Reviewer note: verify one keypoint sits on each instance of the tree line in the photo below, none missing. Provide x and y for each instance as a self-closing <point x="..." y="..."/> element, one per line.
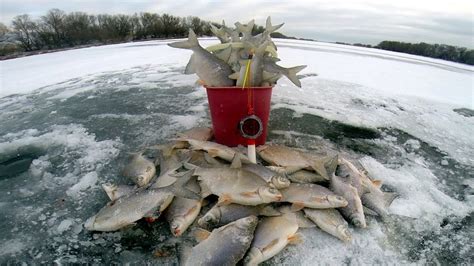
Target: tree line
<point x="440" y="51"/>
<point x="57" y="29"/>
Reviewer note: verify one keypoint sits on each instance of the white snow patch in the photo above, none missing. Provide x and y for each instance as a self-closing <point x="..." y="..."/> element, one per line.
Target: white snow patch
<point x="87" y="181"/>
<point x="432" y="122"/>
<point x="12" y="246"/>
<point x="420" y="194"/>
<point x="65" y="225"/>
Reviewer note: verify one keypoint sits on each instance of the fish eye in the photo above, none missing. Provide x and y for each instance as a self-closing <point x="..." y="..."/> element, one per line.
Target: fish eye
<point x="273" y="190"/>
<point x="174" y="225"/>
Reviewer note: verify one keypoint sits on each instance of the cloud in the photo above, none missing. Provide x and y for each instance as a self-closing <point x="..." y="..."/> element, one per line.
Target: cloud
<point x="365" y="21"/>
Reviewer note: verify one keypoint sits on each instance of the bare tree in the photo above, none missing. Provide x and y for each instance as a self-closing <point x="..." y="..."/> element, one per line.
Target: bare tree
<point x="3" y="29"/>
<point x="53" y="22"/>
<point x="25" y="29"/>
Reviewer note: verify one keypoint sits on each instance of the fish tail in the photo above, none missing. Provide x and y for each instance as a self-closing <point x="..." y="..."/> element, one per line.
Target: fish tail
<point x="331" y="164"/>
<point x="214" y="29"/>
<point x="190" y="43"/>
<point x="270" y="28"/>
<point x="291" y="74"/>
<point x="110" y="190"/>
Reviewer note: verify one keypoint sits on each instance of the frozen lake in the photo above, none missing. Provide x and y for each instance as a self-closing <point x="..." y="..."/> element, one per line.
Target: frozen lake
<point x="69" y="118"/>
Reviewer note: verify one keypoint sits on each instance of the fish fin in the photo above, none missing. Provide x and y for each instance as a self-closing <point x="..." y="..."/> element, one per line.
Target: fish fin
<point x="190" y="43"/>
<point x="270" y="245"/>
<point x="319" y="167"/>
<point x="224" y="54"/>
<point x="370" y="212"/>
<point x="201" y="234"/>
<point x="291" y="74"/>
<point x="190" y="166"/>
<point x="224" y="199"/>
<point x="377" y="183"/>
<point x="331" y="165"/>
<point x="296" y="206"/>
<point x="295" y="239"/>
<point x="214" y="29"/>
<point x="178" y="187"/>
<point x="205" y="191"/>
<point x="110" y="190"/>
<point x="247" y="29"/>
<point x="235" y="75"/>
<point x="213" y="152"/>
<point x="190" y="67"/>
<point x="269" y="211"/>
<point x="236" y="163"/>
<point x="269" y="28"/>
<point x="388" y="198"/>
<point x="248" y="194"/>
<point x="302" y="221"/>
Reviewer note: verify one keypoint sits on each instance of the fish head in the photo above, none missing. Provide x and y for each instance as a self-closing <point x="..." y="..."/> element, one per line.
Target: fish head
<point x="280" y="181"/>
<point x="261" y="148"/>
<point x="269" y="194"/>
<point x="141" y="180"/>
<point x="254" y="256"/>
<point x="177" y="226"/>
<point x="337" y="201"/>
<point x="344" y="232"/>
<point x="212" y="217"/>
<point x="358" y="219"/>
<point x="89" y="223"/>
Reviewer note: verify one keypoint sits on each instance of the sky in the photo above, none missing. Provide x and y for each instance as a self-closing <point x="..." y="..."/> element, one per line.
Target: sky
<point x="353" y="21"/>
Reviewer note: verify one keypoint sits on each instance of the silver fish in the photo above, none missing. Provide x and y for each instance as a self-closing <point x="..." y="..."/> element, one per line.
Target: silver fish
<point x="139" y="169"/>
<point x="128" y="209"/>
<point x="222" y="215"/>
<point x="225" y="245"/>
<point x="290" y="73"/>
<point x="272" y="235"/>
<point x="182" y="212"/>
<point x="210" y="69"/>
<point x="311" y="196"/>
<point x="330" y="221"/>
<point x="235" y="184"/>
<point x="369" y="190"/>
<point x="293" y="160"/>
<point x="353" y="211"/>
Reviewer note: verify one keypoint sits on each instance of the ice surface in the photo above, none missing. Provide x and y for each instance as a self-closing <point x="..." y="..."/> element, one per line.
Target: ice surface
<point x="83" y="110"/>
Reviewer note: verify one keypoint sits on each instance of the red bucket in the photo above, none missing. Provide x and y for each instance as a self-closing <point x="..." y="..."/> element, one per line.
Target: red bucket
<point x="228" y="106"/>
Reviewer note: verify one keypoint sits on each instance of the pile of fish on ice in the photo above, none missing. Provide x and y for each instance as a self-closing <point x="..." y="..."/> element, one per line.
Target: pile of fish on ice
<point x="239" y="59"/>
<point x="259" y="208"/>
